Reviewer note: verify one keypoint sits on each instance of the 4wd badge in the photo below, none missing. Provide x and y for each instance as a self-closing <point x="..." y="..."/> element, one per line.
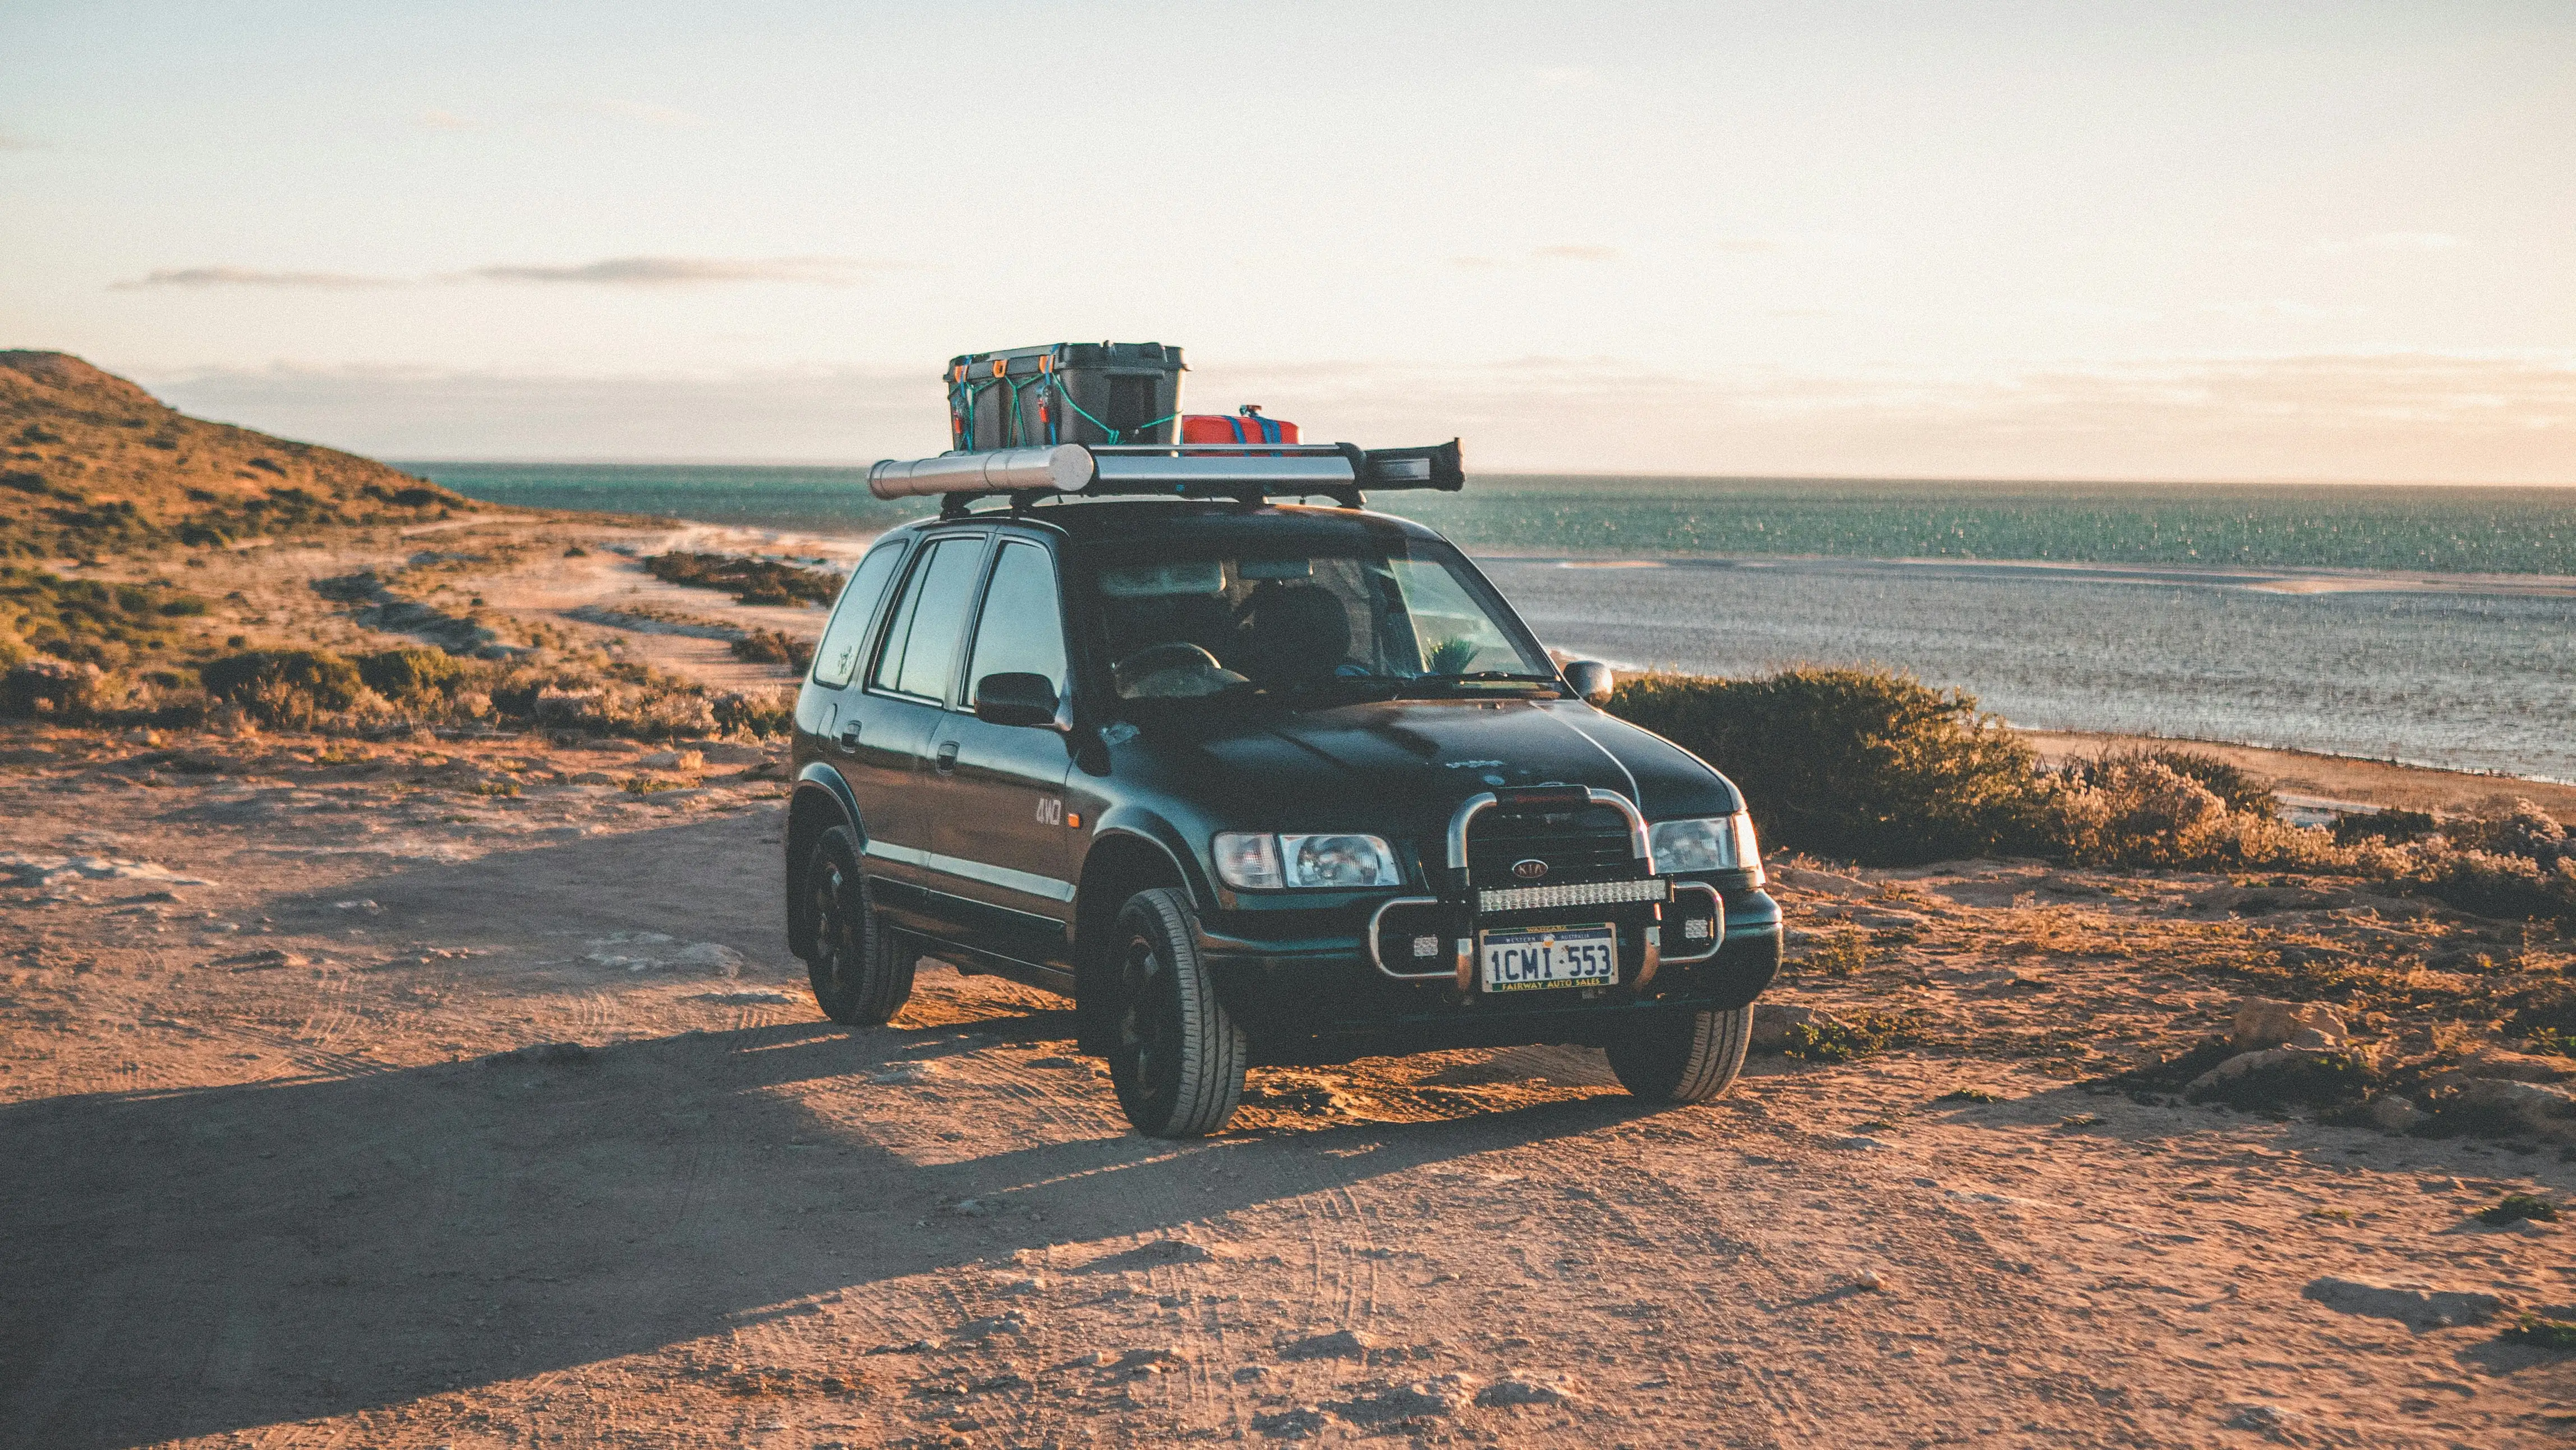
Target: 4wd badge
<point x="1530" y="869"/>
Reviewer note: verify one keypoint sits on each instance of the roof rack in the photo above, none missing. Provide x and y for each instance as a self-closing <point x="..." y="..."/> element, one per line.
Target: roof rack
<point x="1246" y="471"/>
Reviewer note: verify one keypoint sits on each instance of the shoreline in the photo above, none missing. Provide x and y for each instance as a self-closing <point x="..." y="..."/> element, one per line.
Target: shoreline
<point x="585" y="594"/>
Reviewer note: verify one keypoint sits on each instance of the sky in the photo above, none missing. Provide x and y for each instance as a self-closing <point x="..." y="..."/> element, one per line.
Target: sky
<point x="2330" y="241"/>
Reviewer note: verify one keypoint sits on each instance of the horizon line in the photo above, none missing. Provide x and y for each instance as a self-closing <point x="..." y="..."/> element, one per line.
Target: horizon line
<point x="1602" y="474"/>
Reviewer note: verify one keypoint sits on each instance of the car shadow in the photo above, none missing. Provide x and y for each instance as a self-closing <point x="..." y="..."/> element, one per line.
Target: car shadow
<point x="184" y="1263"/>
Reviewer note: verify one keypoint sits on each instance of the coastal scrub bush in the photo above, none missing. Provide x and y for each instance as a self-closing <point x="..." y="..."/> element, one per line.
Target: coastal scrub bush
<point x="88" y="621"/>
<point x="2500" y="886"/>
<point x="752" y="581"/>
<point x="1857" y="764"/>
<point x="2540" y="1332"/>
<point x="2140" y="810"/>
<point x="293" y="689"/>
<point x="411" y="676"/>
<point x="2520" y="829"/>
<point x="2515" y="1207"/>
<point x="2394" y="826"/>
<point x="2237" y="788"/>
<point x="1835" y="1039"/>
<point x="775" y="647"/>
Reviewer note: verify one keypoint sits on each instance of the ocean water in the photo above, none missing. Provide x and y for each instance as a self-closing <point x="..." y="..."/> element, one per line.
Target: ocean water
<point x="2334" y="619"/>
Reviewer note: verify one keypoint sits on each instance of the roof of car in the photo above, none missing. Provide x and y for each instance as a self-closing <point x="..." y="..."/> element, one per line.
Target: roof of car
<point x="1134" y="518"/>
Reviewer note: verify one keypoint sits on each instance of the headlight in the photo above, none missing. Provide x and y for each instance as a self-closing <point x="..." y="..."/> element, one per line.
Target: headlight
<point x="1705" y="843"/>
<point x="1249" y="862"/>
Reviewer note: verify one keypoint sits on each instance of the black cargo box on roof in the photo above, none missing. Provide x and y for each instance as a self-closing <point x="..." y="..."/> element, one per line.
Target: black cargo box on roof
<point x="1064" y="392"/>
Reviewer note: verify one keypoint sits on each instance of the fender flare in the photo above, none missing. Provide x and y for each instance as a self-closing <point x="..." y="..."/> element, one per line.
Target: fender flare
<point x="1155" y="830"/>
<point x="818" y="776"/>
<point x="816" y="782"/>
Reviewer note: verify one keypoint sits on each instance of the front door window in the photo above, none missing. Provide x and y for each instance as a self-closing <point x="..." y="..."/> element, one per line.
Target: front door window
<point x="1022" y="630"/>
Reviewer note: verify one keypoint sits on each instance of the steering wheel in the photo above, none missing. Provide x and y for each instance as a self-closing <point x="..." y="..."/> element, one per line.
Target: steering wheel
<point x="1171" y="654"/>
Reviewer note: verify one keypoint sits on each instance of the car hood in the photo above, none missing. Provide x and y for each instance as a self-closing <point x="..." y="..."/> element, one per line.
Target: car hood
<point x="1406" y="760"/>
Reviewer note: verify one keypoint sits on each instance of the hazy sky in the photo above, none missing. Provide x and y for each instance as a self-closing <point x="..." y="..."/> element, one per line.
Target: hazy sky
<point x="2082" y="240"/>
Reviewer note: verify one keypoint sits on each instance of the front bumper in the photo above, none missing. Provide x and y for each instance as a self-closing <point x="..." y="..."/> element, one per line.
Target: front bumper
<point x="1302" y="984"/>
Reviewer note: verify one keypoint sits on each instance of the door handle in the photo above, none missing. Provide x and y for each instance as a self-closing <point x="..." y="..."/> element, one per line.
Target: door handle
<point x="948" y="758"/>
<point x="850" y="736"/>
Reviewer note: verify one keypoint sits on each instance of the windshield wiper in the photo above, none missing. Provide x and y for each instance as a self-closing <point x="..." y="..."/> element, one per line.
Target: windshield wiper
<point x="1507" y="676"/>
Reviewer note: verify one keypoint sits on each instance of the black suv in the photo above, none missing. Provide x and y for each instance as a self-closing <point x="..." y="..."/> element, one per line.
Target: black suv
<point x="1256" y="783"/>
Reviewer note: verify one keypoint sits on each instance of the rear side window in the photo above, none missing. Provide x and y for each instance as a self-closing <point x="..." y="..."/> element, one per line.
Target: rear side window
<point x="930" y="621"/>
<point x="838" y="655"/>
<point x="1023" y="628"/>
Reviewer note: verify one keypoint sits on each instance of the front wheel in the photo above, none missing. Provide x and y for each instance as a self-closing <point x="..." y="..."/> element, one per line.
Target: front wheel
<point x="1175" y="1056"/>
<point x="1683" y="1057"/>
<point x="860" y="971"/>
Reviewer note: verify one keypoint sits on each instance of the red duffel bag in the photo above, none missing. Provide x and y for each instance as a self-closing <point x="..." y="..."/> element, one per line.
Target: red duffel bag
<point x="1247" y="426"/>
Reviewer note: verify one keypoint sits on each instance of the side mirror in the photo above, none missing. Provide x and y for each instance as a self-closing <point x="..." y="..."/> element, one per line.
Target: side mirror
<point x="1015" y="699"/>
<point x="1591" y="679"/>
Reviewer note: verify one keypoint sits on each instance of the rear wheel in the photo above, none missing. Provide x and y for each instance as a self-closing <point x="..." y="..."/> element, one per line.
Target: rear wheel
<point x="860" y="968"/>
<point x="1175" y="1056"/>
<point x="1685" y="1057"/>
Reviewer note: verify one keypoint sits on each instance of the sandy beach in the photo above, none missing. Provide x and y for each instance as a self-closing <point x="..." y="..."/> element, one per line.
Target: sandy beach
<point x="460" y="1091"/>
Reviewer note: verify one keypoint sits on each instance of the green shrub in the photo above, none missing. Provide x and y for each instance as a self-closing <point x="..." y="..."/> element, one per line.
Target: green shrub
<point x="2541" y="1333"/>
<point x="411" y="676"/>
<point x="2238" y="789"/>
<point x="2502" y="886"/>
<point x="89" y="622"/>
<point x="1836" y="1040"/>
<point x="2139" y="810"/>
<point x="1857" y="764"/>
<point x="753" y="581"/>
<point x="2515" y="1207"/>
<point x="775" y="647"/>
<point x="289" y="688"/>
<point x="2396" y="827"/>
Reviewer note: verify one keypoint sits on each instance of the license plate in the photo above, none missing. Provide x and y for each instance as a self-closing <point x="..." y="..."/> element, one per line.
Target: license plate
<point x="1550" y="956"/>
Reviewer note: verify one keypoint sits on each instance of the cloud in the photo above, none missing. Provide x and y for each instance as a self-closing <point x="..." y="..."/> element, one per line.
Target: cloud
<point x="1564" y="77"/>
<point x="250" y="277"/>
<point x="2287" y="309"/>
<point x="645" y="112"/>
<point x="1575" y="252"/>
<point x="437" y="120"/>
<point x="608" y="272"/>
<point x="2414" y="242"/>
<point x="683" y="271"/>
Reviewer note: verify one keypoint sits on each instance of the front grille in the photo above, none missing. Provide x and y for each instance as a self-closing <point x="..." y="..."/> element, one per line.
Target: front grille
<point x="1586" y="893"/>
<point x="1587" y="844"/>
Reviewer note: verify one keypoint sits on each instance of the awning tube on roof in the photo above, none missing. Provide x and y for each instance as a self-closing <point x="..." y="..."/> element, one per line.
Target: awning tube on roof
<point x="1063" y="468"/>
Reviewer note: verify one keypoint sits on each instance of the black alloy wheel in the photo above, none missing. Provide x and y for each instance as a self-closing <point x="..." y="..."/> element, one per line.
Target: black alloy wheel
<point x="860" y="968"/>
<point x="1176" y="1057"/>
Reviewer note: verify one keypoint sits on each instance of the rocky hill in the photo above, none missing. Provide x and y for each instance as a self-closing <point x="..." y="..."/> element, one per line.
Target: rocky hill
<point x="89" y="463"/>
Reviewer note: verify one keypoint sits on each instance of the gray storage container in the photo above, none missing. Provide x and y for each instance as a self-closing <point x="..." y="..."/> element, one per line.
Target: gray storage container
<point x="1065" y="392"/>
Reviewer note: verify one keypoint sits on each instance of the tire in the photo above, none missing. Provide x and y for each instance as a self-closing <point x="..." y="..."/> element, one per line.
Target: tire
<point x="1175" y="1056"/>
<point x="861" y="969"/>
<point x="1683" y="1057"/>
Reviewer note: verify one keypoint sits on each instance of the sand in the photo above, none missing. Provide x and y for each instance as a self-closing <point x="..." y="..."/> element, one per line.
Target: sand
<point x="347" y="1100"/>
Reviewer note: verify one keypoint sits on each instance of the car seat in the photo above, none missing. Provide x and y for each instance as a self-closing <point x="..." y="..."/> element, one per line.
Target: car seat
<point x="1291" y="633"/>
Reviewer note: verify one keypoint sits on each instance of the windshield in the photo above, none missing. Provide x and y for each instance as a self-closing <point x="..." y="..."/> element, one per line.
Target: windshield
<point x="1390" y="616"/>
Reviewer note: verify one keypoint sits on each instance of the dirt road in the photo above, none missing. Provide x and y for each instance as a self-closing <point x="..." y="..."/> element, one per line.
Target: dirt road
<point x="393" y="1109"/>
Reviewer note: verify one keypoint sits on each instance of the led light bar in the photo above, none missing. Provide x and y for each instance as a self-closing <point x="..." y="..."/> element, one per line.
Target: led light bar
<point x="1586" y="893"/>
